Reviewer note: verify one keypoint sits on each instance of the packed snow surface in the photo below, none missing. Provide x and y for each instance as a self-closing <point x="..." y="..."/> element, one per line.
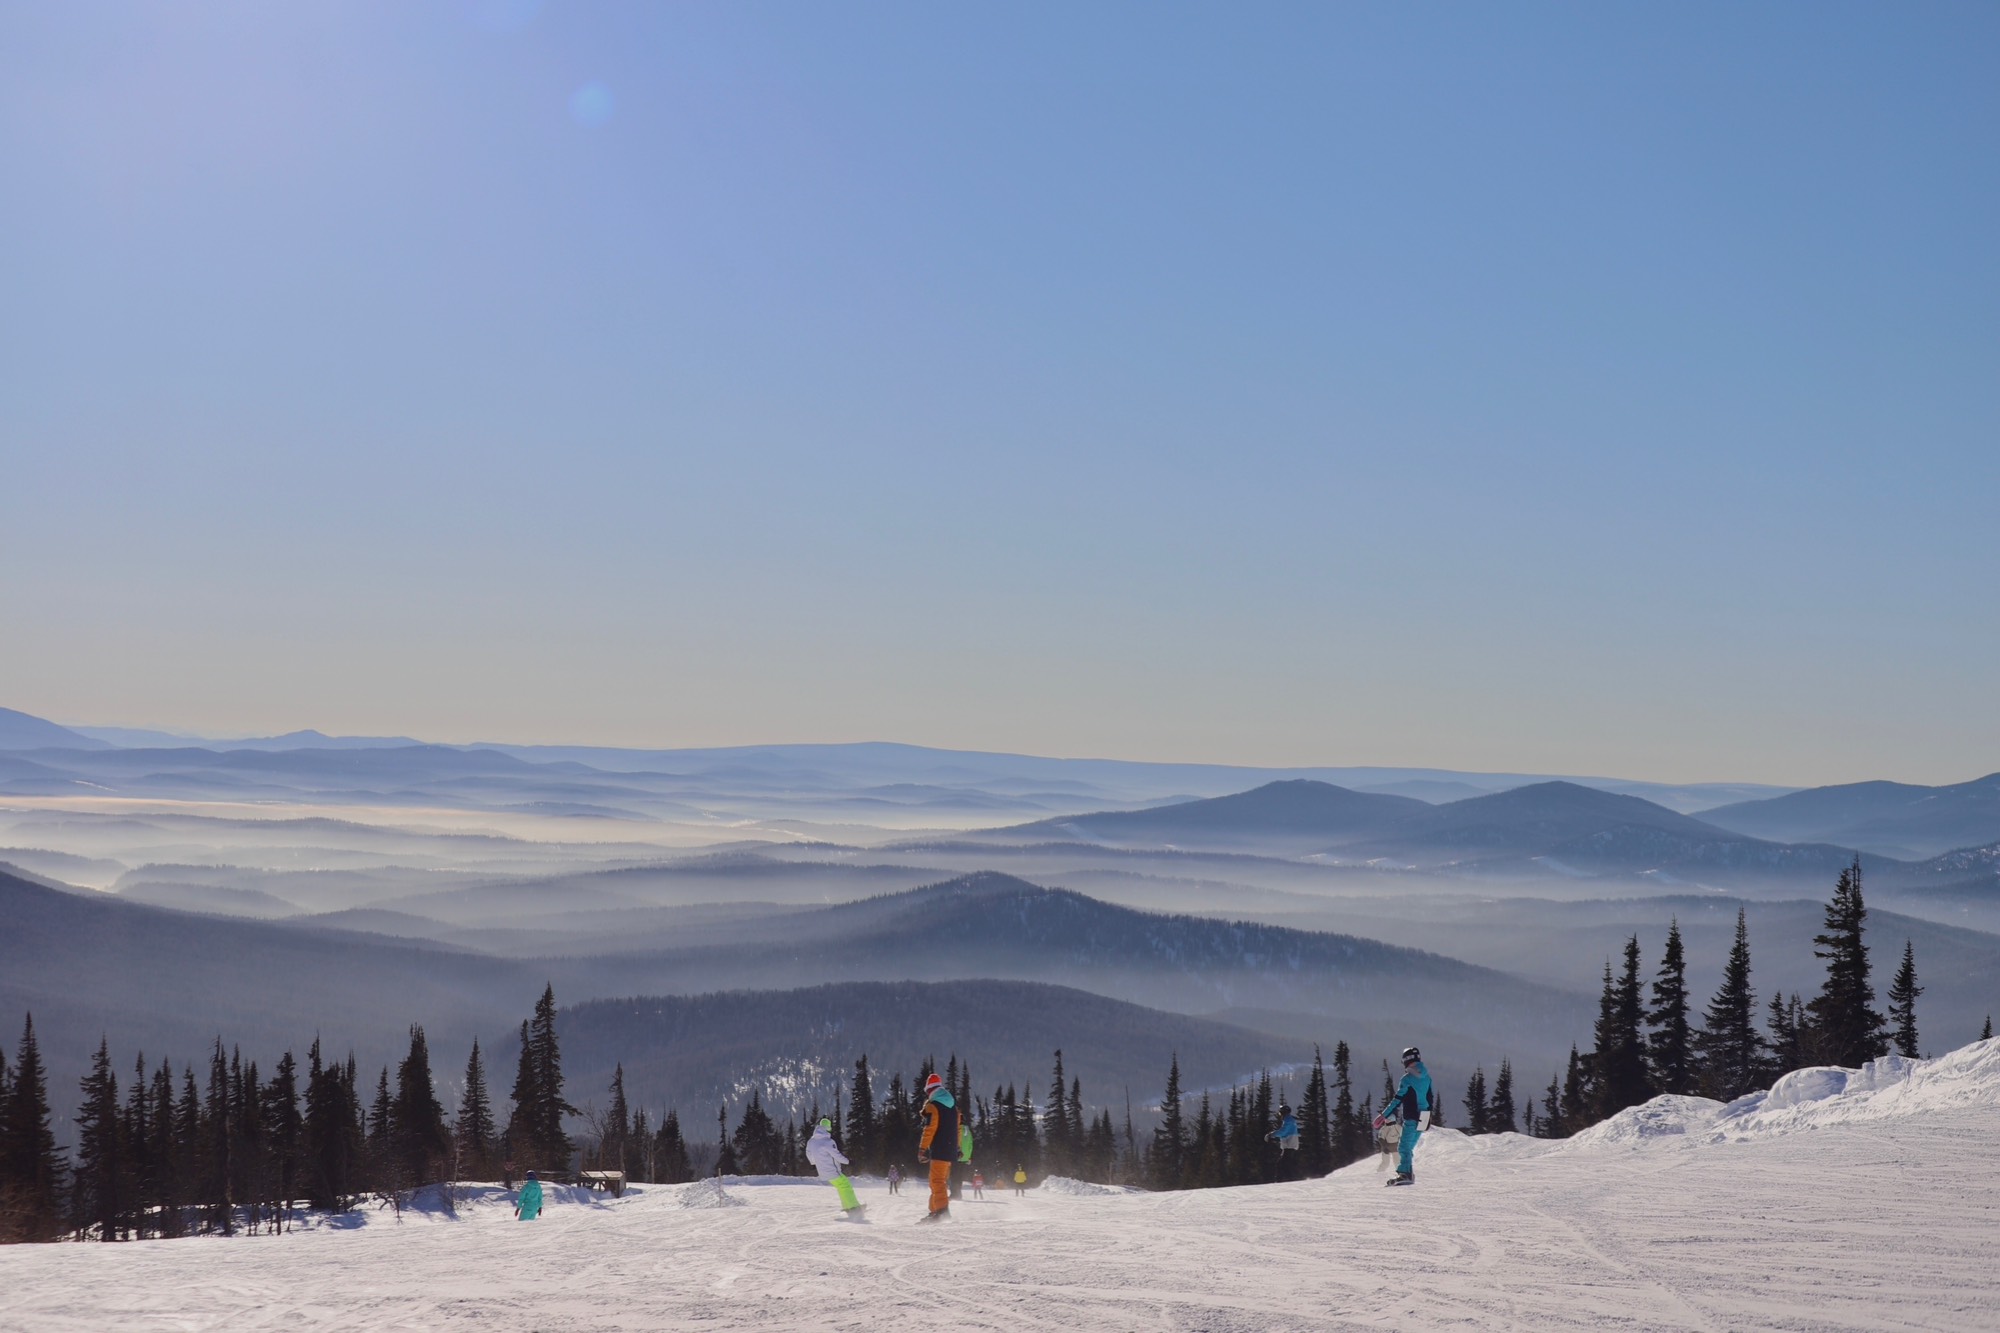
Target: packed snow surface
<point x="1841" y="1199"/>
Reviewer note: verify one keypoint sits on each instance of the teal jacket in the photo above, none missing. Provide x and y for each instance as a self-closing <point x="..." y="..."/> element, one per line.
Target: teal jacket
<point x="529" y="1205"/>
<point x="1413" y="1096"/>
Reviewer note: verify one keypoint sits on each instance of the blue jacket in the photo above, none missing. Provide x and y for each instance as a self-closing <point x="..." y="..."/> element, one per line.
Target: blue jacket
<point x="1413" y="1096"/>
<point x="1288" y="1130"/>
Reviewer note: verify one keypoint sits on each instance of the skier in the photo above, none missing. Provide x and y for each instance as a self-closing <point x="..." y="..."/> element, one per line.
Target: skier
<point x="895" y="1177"/>
<point x="1286" y="1136"/>
<point x="978" y="1184"/>
<point x="1413" y="1103"/>
<point x="529" y="1206"/>
<point x="941" y="1133"/>
<point x="831" y="1163"/>
<point x="1020" y="1180"/>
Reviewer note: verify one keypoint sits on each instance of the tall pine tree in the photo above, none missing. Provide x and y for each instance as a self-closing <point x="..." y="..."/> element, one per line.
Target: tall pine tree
<point x="1903" y="993"/>
<point x="1729" y="1050"/>
<point x="1500" y="1117"/>
<point x="1170" y="1143"/>
<point x="1618" y="1059"/>
<point x="474" y="1128"/>
<point x="1669" y="1048"/>
<point x="1845" y="1029"/>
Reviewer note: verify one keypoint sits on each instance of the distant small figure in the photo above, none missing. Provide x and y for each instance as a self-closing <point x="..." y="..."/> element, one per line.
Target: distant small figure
<point x="895" y="1177"/>
<point x="1286" y="1136"/>
<point x="529" y="1206"/>
<point x="1020" y="1180"/>
<point x="831" y="1163"/>
<point x="978" y="1184"/>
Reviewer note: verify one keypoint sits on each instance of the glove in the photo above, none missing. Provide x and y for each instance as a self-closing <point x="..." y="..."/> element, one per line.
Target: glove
<point x="924" y="1158"/>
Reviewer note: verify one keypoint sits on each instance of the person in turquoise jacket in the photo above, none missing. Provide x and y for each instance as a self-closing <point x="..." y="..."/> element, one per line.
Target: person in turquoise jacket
<point x="528" y="1206"/>
<point x="1286" y="1136"/>
<point x="1412" y="1104"/>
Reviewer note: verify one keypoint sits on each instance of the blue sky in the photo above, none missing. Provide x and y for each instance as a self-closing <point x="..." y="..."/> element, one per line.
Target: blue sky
<point x="1577" y="388"/>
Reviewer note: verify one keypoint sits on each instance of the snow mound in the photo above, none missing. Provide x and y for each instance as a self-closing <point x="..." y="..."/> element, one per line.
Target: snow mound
<point x="1666" y="1119"/>
<point x="1081" y="1189"/>
<point x="1888" y="1087"/>
<point x="709" y="1194"/>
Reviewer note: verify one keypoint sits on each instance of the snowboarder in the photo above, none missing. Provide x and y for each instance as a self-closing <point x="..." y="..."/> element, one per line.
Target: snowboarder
<point x="1286" y="1136"/>
<point x="895" y="1177"/>
<point x="964" y="1162"/>
<point x="1413" y="1103"/>
<point x="940" y="1133"/>
<point x="978" y="1184"/>
<point x="831" y="1163"/>
<point x="1020" y="1180"/>
<point x="528" y="1206"/>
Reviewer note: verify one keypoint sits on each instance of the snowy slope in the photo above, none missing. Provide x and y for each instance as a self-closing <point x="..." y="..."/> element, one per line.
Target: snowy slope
<point x="1841" y="1200"/>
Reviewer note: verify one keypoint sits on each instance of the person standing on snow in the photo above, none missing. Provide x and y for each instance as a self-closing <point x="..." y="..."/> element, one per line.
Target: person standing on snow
<point x="1413" y="1103"/>
<point x="964" y="1162"/>
<point x="831" y="1163"/>
<point x="528" y="1206"/>
<point x="1286" y="1136"/>
<point x="1020" y="1180"/>
<point x="938" y="1147"/>
<point x="895" y="1177"/>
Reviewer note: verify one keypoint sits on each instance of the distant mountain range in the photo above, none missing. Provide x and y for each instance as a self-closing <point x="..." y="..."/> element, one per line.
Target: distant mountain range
<point x="1545" y="829"/>
<point x="88" y="963"/>
<point x="1888" y="818"/>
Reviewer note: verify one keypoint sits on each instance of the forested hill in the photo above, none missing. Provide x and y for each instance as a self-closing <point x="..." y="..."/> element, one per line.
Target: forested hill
<point x="796" y="1046"/>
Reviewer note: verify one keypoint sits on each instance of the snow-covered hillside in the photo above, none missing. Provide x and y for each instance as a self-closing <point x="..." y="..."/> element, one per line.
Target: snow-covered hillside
<point x="1862" y="1199"/>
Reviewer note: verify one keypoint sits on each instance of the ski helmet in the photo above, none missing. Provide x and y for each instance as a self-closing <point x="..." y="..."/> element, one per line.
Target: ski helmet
<point x="1410" y="1054"/>
<point x="826" y="1124"/>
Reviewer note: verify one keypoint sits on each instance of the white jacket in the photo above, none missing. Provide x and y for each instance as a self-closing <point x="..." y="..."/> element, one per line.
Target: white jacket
<point x="825" y="1154"/>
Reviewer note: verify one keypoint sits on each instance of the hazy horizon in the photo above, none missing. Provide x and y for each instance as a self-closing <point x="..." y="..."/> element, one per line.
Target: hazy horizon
<point x="1549" y="389"/>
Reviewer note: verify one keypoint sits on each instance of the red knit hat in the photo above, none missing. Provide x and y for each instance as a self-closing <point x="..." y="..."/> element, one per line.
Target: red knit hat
<point x="933" y="1082"/>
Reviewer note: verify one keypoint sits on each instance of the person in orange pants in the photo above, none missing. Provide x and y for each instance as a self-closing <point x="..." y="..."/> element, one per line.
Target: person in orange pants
<point x="941" y="1133"/>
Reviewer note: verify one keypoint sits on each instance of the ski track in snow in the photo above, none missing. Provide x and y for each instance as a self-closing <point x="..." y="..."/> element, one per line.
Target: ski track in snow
<point x="1874" y="1210"/>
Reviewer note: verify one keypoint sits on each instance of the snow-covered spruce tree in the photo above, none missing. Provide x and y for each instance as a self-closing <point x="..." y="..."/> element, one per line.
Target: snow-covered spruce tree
<point x="1669" y="1054"/>
<point x="1986" y="1033"/>
<point x="1845" y="1028"/>
<point x="1728" y="1050"/>
<point x="1903" y="993"/>
<point x="1500" y="1110"/>
<point x="1475" y="1101"/>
